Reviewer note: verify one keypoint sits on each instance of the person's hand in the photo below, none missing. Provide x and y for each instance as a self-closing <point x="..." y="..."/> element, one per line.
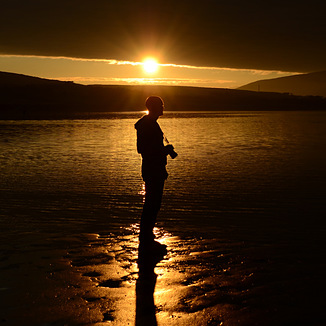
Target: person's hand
<point x="169" y="148"/>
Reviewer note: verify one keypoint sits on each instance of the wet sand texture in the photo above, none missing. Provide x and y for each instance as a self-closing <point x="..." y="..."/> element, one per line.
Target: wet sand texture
<point x="94" y="280"/>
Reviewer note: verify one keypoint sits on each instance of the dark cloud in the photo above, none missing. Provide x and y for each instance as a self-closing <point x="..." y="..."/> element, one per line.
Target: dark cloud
<point x="288" y="35"/>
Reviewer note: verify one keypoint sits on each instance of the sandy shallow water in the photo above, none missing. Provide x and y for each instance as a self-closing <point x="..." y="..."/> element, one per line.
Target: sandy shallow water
<point x="92" y="279"/>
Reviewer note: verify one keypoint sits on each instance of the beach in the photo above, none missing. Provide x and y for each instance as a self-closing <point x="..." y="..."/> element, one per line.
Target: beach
<point x="91" y="279"/>
<point x="242" y="218"/>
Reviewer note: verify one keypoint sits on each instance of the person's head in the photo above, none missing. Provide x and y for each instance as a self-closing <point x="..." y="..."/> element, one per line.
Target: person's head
<point x="155" y="106"/>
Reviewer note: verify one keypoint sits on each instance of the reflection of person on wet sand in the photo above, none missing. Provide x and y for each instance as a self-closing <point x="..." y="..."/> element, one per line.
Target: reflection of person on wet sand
<point x="153" y="151"/>
<point x="145" y="285"/>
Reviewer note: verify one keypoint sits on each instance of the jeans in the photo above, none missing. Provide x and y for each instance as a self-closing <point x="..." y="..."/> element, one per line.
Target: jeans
<point x="152" y="205"/>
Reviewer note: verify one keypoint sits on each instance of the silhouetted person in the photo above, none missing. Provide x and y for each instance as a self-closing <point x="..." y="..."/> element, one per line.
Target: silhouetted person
<point x="151" y="147"/>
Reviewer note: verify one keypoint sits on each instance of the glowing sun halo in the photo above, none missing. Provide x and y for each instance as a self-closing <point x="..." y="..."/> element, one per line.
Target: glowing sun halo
<point x="150" y="65"/>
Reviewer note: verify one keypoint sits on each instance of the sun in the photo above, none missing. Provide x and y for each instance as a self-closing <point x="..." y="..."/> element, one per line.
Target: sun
<point x="150" y="65"/>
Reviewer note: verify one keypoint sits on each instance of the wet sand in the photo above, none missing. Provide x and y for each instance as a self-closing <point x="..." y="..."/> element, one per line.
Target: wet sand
<point x="93" y="279"/>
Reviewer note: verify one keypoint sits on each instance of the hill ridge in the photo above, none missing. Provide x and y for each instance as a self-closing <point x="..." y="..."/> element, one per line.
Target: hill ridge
<point x="309" y="84"/>
<point x="35" y="98"/>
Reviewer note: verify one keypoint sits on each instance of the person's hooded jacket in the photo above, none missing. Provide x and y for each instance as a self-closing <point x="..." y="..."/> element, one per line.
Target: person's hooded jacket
<point x="151" y="147"/>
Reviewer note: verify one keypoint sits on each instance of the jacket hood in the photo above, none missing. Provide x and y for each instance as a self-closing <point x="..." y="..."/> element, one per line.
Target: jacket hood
<point x="141" y="122"/>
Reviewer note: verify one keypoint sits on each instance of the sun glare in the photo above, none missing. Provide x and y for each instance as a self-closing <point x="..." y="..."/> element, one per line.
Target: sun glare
<point x="150" y="65"/>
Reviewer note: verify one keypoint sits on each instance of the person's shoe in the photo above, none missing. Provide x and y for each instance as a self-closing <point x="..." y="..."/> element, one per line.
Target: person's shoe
<point x="151" y="251"/>
<point x="158" y="248"/>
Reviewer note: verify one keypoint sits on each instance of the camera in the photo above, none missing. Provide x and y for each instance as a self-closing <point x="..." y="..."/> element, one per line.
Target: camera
<point x="173" y="154"/>
<point x="171" y="151"/>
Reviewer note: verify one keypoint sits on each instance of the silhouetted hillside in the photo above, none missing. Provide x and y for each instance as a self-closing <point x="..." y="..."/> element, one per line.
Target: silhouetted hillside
<point x="24" y="97"/>
<point x="305" y="84"/>
<point x="11" y="79"/>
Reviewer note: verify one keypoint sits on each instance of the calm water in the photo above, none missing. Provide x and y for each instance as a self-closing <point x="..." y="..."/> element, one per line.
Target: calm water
<point x="245" y="175"/>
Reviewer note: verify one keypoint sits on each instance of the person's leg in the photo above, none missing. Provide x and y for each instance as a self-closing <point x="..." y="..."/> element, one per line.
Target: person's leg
<point x="152" y="205"/>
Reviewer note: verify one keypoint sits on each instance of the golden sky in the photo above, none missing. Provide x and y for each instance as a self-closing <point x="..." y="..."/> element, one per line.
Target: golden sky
<point x="208" y="43"/>
<point x="114" y="72"/>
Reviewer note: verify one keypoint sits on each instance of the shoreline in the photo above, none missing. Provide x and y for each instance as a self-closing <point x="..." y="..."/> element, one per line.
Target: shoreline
<point x="90" y="279"/>
<point x="136" y="114"/>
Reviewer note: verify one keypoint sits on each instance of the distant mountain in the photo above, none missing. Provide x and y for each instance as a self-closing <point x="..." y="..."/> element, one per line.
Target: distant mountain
<point x="26" y="97"/>
<point x="306" y="84"/>
<point x="11" y="79"/>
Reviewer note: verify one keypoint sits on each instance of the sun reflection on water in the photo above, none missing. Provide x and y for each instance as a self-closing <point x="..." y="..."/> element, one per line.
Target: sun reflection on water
<point x="142" y="192"/>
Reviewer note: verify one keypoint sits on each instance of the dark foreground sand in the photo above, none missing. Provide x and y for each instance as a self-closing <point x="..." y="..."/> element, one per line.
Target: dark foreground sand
<point x="93" y="279"/>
